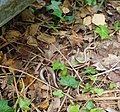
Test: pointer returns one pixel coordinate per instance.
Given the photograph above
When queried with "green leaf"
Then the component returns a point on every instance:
(116, 26)
(92, 78)
(24, 104)
(84, 110)
(88, 86)
(112, 85)
(10, 80)
(4, 106)
(102, 31)
(97, 110)
(90, 105)
(99, 91)
(69, 81)
(56, 10)
(74, 108)
(59, 66)
(85, 90)
(69, 18)
(90, 70)
(90, 2)
(58, 93)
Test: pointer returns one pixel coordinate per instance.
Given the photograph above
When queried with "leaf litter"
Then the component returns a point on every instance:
(32, 43)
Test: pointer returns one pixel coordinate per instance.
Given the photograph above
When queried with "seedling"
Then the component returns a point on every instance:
(90, 2)
(59, 66)
(69, 81)
(4, 106)
(24, 104)
(90, 71)
(56, 10)
(73, 107)
(58, 93)
(112, 85)
(90, 88)
(103, 31)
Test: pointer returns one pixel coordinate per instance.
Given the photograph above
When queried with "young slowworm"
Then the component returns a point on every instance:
(50, 72)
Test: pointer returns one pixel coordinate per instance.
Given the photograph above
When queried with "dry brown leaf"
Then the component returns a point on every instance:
(27, 16)
(44, 104)
(46, 38)
(87, 20)
(66, 4)
(45, 87)
(33, 29)
(76, 39)
(84, 12)
(65, 10)
(13, 34)
(32, 41)
(114, 76)
(54, 105)
(98, 19)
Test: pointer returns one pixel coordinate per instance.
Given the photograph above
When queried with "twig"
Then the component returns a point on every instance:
(34, 78)
(107, 71)
(63, 100)
(68, 63)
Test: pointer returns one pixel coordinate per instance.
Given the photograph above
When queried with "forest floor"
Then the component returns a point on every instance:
(61, 57)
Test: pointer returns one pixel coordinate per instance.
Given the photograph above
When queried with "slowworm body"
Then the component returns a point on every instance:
(49, 72)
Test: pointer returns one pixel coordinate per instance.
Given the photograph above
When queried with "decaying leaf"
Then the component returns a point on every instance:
(46, 38)
(44, 104)
(27, 16)
(32, 41)
(54, 105)
(84, 12)
(33, 29)
(13, 34)
(98, 19)
(75, 39)
(87, 20)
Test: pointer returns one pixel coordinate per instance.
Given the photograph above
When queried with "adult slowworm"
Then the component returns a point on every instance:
(49, 72)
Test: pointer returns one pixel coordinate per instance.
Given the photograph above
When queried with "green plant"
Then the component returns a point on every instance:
(90, 71)
(90, 105)
(103, 31)
(116, 26)
(55, 8)
(73, 107)
(90, 88)
(69, 81)
(90, 2)
(112, 85)
(58, 93)
(4, 106)
(59, 66)
(24, 104)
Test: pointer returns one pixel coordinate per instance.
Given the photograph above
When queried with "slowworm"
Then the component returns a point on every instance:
(49, 72)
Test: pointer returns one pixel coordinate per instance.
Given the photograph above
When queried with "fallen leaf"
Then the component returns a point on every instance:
(27, 16)
(87, 20)
(32, 41)
(114, 76)
(110, 109)
(75, 39)
(98, 19)
(44, 104)
(84, 12)
(46, 38)
(33, 29)
(54, 105)
(65, 10)
(13, 34)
